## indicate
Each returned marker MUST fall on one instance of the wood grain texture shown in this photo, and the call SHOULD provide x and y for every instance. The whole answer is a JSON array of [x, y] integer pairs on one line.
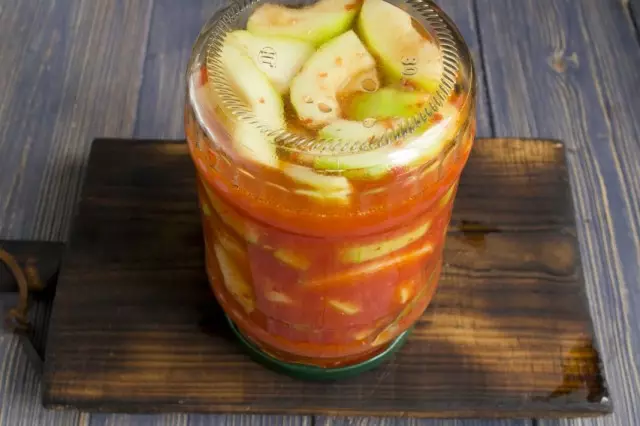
[[84, 77], [462, 13], [20, 391], [573, 75], [139, 420], [136, 250], [71, 70], [197, 420], [20, 384], [161, 106], [363, 421]]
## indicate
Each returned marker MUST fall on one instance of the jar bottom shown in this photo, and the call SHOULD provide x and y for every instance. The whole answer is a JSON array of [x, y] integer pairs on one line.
[[304, 371]]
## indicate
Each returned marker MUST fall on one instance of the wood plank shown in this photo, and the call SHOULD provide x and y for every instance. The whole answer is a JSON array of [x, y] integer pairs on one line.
[[17, 99], [463, 15], [71, 69], [472, 353], [99, 419], [573, 75], [197, 420], [364, 421], [20, 390], [161, 107], [88, 87]]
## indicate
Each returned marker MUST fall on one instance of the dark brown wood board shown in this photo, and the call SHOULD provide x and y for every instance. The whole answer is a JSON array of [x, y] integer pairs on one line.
[[135, 329]]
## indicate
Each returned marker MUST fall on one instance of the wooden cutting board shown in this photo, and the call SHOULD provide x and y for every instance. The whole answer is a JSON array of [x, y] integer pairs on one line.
[[135, 329]]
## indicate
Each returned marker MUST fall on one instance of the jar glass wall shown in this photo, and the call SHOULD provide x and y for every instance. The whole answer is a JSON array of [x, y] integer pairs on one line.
[[328, 140]]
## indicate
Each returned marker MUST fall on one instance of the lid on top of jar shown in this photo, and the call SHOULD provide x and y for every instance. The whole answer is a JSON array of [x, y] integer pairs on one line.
[[334, 76]]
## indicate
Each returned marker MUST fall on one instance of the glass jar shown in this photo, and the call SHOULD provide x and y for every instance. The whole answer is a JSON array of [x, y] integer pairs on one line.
[[328, 140]]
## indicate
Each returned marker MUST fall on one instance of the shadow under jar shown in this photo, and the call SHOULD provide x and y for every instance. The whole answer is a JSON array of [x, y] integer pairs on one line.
[[328, 140]]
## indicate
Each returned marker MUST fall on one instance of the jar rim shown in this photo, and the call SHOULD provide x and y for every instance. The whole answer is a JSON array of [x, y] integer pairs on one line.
[[424, 12]]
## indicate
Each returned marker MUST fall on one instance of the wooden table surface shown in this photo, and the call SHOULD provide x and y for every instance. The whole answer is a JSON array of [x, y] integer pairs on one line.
[[72, 70]]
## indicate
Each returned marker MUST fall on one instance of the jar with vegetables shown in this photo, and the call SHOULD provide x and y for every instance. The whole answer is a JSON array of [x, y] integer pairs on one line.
[[328, 140]]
